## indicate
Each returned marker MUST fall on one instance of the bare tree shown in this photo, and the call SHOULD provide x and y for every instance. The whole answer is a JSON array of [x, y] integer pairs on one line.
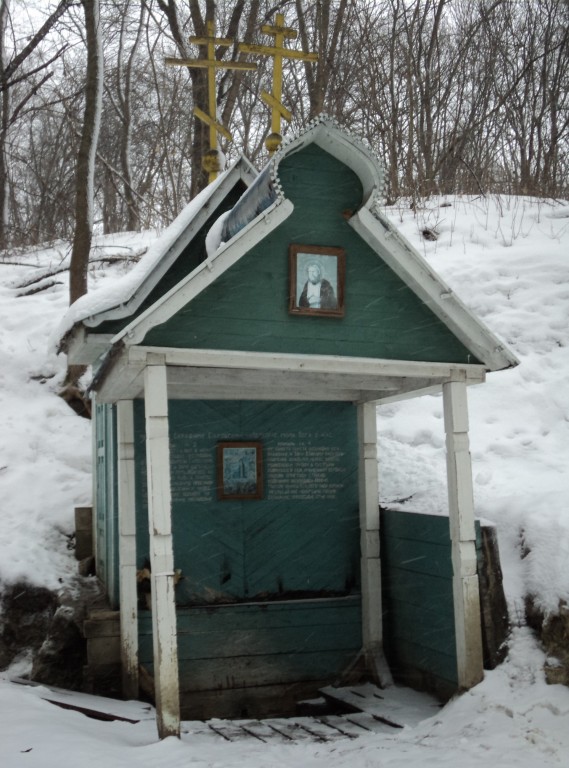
[[532, 52], [325, 33], [14, 71], [458, 96], [229, 83]]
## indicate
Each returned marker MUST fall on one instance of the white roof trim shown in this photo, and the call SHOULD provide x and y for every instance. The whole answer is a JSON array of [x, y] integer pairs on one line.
[[325, 364], [344, 146], [407, 264], [227, 374], [242, 169], [370, 225], [206, 273]]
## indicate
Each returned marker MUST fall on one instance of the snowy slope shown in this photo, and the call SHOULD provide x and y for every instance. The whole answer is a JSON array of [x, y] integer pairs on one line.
[[508, 260]]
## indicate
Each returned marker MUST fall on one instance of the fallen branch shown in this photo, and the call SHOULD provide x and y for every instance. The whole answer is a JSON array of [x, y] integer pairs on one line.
[[47, 272], [111, 258], [19, 264], [39, 288]]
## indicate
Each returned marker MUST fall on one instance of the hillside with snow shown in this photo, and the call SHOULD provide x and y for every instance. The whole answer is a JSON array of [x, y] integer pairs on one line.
[[508, 260]]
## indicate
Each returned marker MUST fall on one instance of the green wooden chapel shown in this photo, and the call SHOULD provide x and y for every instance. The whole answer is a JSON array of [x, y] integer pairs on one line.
[[236, 390]]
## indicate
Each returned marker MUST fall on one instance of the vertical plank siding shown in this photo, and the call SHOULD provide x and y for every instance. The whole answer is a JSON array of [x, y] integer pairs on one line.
[[304, 543], [231, 550], [418, 616], [417, 593]]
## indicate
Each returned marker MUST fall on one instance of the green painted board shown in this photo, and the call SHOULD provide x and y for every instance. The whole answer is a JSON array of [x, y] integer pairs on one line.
[[427, 591], [417, 594], [256, 671], [261, 644], [431, 627], [301, 539], [247, 307], [226, 642], [415, 526], [419, 557], [439, 665]]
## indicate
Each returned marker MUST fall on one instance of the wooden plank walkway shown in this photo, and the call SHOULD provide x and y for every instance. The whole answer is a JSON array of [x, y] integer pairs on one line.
[[380, 711], [396, 706], [374, 710]]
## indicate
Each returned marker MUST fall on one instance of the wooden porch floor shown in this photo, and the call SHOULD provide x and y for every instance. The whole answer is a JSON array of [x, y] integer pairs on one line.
[[375, 710]]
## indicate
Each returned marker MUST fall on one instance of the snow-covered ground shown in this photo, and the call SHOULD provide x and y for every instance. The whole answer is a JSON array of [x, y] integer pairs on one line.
[[508, 260]]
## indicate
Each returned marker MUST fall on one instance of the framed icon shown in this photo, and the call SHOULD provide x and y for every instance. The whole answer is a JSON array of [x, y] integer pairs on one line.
[[317, 277], [239, 470]]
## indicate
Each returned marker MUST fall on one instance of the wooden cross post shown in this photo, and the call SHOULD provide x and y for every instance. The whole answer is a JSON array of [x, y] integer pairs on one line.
[[278, 52], [211, 159]]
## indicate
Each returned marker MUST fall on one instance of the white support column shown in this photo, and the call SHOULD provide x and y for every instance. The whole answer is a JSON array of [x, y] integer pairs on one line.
[[127, 550], [161, 549], [463, 538], [372, 626]]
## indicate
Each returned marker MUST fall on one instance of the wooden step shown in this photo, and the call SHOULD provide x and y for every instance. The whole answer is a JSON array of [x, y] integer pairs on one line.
[[395, 706]]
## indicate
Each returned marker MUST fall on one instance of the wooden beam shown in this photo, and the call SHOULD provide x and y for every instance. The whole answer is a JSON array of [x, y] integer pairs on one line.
[[127, 550], [164, 633], [330, 364], [300, 376], [249, 377], [124, 380], [372, 627], [466, 593], [84, 348]]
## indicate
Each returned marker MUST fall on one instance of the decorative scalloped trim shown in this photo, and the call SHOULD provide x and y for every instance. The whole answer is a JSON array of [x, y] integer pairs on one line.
[[328, 121]]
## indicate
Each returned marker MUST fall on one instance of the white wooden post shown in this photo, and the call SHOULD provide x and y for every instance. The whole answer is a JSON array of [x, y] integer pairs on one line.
[[161, 549], [372, 625], [463, 538], [127, 550]]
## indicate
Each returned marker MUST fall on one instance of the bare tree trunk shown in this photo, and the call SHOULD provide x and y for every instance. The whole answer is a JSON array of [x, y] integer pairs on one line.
[[85, 173], [123, 104], [84, 195]]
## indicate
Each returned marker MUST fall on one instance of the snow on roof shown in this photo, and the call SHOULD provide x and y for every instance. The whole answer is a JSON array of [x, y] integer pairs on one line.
[[116, 295], [264, 199]]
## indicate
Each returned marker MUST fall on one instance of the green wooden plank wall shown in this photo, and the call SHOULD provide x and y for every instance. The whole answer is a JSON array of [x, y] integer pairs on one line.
[[247, 307], [244, 645], [417, 596], [300, 539]]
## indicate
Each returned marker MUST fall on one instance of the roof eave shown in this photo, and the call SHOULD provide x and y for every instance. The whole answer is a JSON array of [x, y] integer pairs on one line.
[[408, 264], [242, 169]]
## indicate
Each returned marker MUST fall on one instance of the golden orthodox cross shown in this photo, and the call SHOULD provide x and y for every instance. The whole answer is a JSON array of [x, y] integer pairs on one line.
[[278, 52], [211, 159]]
